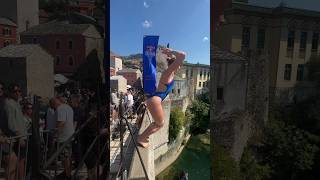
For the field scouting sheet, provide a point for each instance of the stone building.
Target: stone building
(290, 36)
(132, 75)
(199, 74)
(230, 81)
(8, 32)
(180, 88)
(180, 95)
(119, 83)
(69, 44)
(240, 94)
(25, 14)
(115, 62)
(30, 66)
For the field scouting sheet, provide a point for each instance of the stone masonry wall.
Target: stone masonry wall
(158, 146)
(233, 129)
(258, 88)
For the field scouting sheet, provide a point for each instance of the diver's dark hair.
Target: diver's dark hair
(170, 61)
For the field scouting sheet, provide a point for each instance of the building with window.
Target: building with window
(8, 32)
(119, 83)
(69, 44)
(180, 88)
(132, 76)
(115, 62)
(289, 37)
(25, 14)
(199, 74)
(30, 66)
(231, 81)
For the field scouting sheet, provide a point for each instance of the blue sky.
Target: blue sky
(185, 24)
(303, 4)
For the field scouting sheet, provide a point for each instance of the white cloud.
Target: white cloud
(145, 4)
(205, 39)
(146, 24)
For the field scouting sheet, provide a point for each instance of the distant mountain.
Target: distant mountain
(132, 56)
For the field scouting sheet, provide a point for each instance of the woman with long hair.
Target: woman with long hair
(165, 85)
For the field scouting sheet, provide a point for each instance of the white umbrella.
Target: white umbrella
(61, 79)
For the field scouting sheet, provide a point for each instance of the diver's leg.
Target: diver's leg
(155, 108)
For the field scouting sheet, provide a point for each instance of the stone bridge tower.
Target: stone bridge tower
(240, 98)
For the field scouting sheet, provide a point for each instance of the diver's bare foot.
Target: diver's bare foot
(143, 142)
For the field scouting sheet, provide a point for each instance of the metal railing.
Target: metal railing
(54, 158)
(123, 116)
(14, 155)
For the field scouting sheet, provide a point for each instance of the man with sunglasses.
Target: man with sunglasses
(16, 123)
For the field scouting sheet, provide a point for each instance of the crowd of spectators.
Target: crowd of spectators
(64, 115)
(130, 102)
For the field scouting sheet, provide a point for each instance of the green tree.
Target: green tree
(176, 123)
(223, 165)
(251, 169)
(89, 73)
(288, 150)
(200, 111)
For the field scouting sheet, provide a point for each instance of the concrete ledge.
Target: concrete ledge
(136, 170)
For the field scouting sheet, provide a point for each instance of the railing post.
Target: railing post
(124, 175)
(35, 140)
(121, 110)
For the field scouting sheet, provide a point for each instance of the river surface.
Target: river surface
(194, 159)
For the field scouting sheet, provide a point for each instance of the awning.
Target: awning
(61, 79)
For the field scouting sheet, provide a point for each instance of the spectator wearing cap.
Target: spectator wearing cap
(130, 102)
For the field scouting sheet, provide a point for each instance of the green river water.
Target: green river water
(194, 159)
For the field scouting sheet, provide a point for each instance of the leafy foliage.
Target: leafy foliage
(223, 165)
(132, 56)
(54, 6)
(89, 73)
(251, 169)
(288, 149)
(176, 123)
(200, 111)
